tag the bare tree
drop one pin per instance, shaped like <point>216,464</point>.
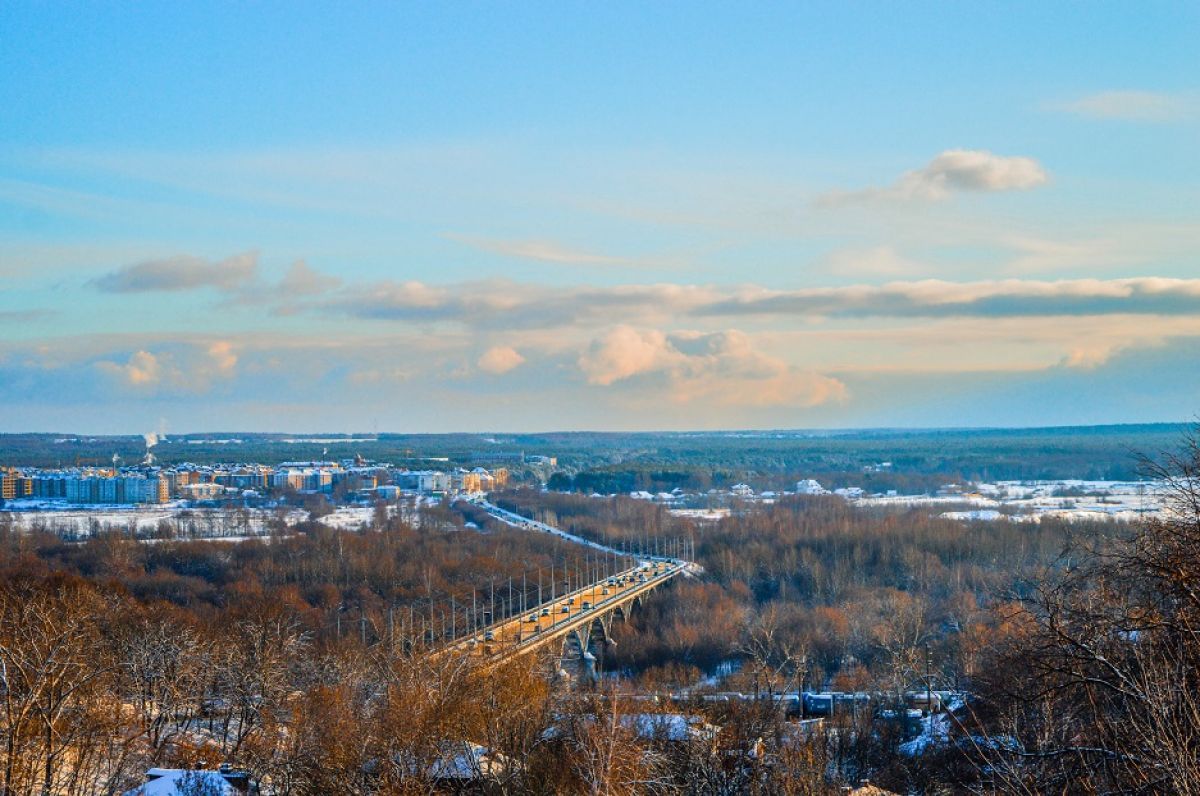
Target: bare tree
<point>1101,690</point>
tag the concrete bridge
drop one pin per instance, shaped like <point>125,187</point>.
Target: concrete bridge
<point>576,624</point>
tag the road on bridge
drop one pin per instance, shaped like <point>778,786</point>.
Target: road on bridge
<point>538,625</point>
<point>541,624</point>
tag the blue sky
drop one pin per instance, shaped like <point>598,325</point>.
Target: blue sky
<point>534,216</point>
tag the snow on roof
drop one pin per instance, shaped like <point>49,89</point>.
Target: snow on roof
<point>180,781</point>
<point>666,726</point>
<point>467,761</point>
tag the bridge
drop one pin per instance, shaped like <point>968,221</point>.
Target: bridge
<point>576,622</point>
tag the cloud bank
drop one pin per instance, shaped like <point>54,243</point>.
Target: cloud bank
<point>501,304</point>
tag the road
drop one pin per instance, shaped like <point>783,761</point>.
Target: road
<point>551,620</point>
<point>539,625</point>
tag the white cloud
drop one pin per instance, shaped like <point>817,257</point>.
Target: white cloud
<point>143,369</point>
<point>932,298</point>
<point>952,171</point>
<point>720,368</point>
<point>221,358</point>
<point>622,353</point>
<point>509,306</point>
<point>500,359</point>
<point>1134,106</point>
<point>190,368</point>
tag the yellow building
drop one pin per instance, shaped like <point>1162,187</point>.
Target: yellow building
<point>8,485</point>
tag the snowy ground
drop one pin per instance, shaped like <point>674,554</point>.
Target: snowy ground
<point>702,515</point>
<point>200,523</point>
<point>935,730</point>
<point>1033,501</point>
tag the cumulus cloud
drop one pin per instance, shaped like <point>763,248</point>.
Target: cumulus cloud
<point>625,352</point>
<point>500,359</point>
<point>952,171</point>
<point>222,358</point>
<point>1134,106</point>
<point>142,369</point>
<point>722,368</point>
<point>181,273</point>
<point>190,368</point>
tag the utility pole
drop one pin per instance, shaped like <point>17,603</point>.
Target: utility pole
<point>929,683</point>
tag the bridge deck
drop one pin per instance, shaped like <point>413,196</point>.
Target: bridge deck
<point>542,624</point>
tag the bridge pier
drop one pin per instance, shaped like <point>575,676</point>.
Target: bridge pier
<point>577,658</point>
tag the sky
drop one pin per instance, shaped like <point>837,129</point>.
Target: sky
<point>531,216</point>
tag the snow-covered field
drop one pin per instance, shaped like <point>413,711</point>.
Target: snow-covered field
<point>702,515</point>
<point>1072,499</point>
<point>1033,501</point>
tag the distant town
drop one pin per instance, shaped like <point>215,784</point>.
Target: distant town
<point>133,489</point>
<point>146,483</point>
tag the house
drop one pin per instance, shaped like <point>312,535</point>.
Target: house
<point>463,762</point>
<point>669,727</point>
<point>225,781</point>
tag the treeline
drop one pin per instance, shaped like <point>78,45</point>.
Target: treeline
<point>366,584</point>
<point>1092,452</point>
<point>822,593</point>
<point>1097,690</point>
<point>1076,644</point>
<point>623,480</point>
<point>98,687</point>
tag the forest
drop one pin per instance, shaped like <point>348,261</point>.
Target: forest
<point>305,657</point>
<point>620,462</point>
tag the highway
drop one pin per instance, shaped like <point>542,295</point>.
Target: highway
<point>572,611</point>
<point>541,624</point>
